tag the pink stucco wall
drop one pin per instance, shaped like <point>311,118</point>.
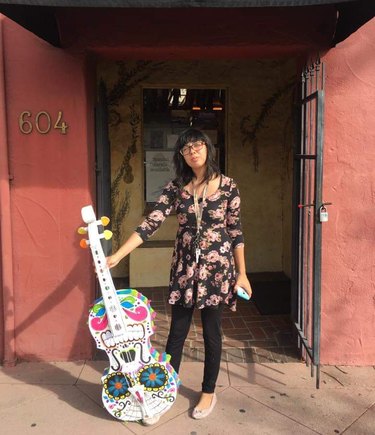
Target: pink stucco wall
<point>51,179</point>
<point>348,289</point>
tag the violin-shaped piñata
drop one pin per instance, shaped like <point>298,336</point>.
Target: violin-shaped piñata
<point>139,382</point>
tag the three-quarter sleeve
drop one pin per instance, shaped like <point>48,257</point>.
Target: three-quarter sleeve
<point>162,209</point>
<point>234,227</point>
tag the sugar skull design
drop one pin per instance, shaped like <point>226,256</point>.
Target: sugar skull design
<point>139,380</point>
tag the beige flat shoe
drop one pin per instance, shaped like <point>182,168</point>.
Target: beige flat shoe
<point>203,413</point>
<point>150,420</point>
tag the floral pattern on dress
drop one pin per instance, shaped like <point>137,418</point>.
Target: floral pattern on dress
<point>212,280</point>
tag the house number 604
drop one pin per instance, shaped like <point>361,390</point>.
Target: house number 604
<point>42,122</point>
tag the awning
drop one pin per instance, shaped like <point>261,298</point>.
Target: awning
<point>172,3</point>
<point>39,16</point>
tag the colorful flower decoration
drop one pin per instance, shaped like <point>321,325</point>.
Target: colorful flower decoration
<point>153,377</point>
<point>116,385</point>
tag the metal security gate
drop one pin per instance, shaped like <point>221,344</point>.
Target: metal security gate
<point>307,217</point>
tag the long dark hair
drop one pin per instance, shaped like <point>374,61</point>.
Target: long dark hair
<point>184,173</point>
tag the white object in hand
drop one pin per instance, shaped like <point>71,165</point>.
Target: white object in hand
<point>242,293</point>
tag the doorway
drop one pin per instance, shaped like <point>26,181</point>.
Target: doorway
<point>258,148</point>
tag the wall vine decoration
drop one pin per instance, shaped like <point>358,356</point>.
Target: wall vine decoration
<point>129,78</point>
<point>121,203</point>
<point>250,131</point>
<point>120,214</point>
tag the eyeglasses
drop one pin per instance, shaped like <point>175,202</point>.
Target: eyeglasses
<point>196,146</point>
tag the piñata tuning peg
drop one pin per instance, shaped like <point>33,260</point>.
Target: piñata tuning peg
<point>82,230</point>
<point>104,220</point>
<point>107,234</point>
<point>84,243</point>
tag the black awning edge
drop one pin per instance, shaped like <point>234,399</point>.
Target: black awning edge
<point>171,3</point>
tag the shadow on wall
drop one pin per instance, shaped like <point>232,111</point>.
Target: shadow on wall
<point>83,376</point>
<point>49,375</point>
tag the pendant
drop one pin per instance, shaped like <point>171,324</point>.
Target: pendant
<point>197,254</point>
<point>197,239</point>
<point>196,246</point>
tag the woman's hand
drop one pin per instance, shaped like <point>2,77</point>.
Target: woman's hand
<point>112,261</point>
<point>242,281</point>
<point>131,243</point>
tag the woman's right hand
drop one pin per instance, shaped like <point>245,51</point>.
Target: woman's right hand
<point>133,242</point>
<point>112,261</point>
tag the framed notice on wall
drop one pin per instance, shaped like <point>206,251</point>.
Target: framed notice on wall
<point>159,171</point>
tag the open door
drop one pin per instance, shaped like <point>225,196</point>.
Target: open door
<point>46,177</point>
<point>307,225</point>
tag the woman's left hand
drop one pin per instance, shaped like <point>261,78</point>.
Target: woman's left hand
<point>242,281</point>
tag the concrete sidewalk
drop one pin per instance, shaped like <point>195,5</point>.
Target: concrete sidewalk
<point>65,398</point>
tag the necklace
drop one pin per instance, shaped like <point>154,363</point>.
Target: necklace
<point>198,209</point>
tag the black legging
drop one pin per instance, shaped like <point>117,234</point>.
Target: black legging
<point>211,322</point>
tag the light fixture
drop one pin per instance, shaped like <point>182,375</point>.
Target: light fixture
<point>216,103</point>
<point>195,106</point>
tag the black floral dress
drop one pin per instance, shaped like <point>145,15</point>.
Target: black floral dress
<point>211,281</point>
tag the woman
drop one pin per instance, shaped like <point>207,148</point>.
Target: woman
<point>208,262</point>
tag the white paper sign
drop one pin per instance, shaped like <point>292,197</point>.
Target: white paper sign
<point>159,171</point>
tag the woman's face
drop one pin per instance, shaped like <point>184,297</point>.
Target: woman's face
<point>195,154</point>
